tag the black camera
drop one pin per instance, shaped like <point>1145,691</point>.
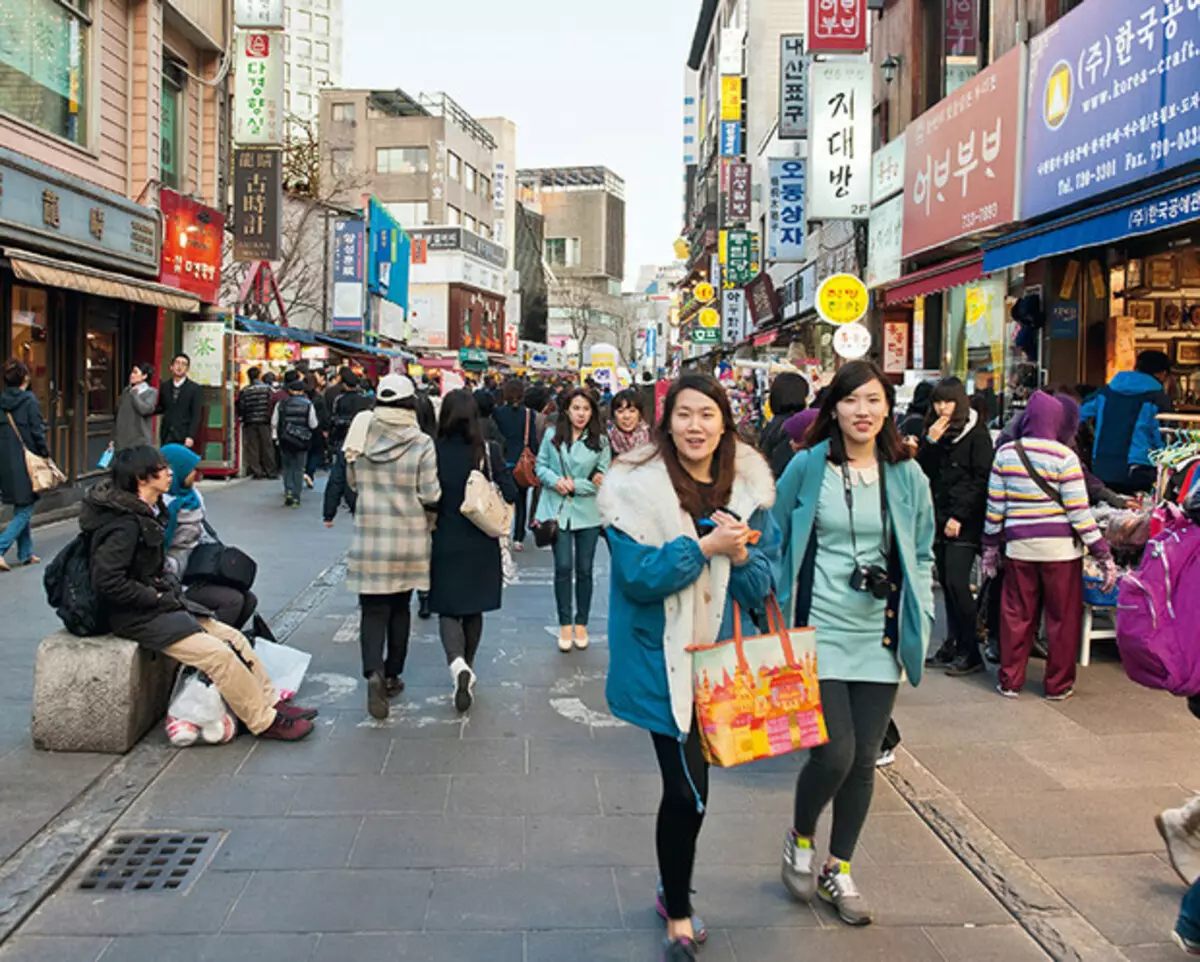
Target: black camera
<point>872,579</point>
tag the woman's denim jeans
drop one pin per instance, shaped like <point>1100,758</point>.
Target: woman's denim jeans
<point>574,551</point>
<point>18,531</point>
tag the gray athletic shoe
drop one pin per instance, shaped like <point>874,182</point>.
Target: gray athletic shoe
<point>836,887</point>
<point>798,871</point>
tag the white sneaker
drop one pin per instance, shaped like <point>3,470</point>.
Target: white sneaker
<point>886,757</point>
<point>797,870</point>
<point>1180,829</point>
<point>464,684</point>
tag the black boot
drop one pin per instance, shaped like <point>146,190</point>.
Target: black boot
<point>423,611</point>
<point>991,653</point>
<point>944,655</point>
<point>965,665</point>
<point>377,699</point>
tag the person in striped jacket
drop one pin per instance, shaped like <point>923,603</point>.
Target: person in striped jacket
<point>1038,511</point>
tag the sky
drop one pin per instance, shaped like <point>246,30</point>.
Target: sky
<point>596,83</point>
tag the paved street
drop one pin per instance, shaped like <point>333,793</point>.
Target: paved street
<point>524,831</point>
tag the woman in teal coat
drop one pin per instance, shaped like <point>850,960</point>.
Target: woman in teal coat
<point>858,528</point>
<point>681,519</point>
<point>571,464</point>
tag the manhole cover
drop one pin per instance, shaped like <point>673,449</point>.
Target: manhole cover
<point>150,861</point>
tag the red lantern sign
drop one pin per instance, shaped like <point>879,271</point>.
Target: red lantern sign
<point>191,246</point>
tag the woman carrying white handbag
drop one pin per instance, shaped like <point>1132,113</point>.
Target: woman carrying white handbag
<point>477,496</point>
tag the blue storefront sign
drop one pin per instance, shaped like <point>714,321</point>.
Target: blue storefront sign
<point>348,294</point>
<point>786,229</point>
<point>1112,99</point>
<point>391,251</point>
<point>1064,321</point>
<point>731,138</point>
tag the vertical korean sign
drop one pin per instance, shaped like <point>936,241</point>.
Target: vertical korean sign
<point>258,93</point>
<point>786,227</point>
<point>837,26</point>
<point>731,98</point>
<point>961,159</point>
<point>793,87</point>
<point>738,209</point>
<point>839,144</point>
<point>739,258</point>
<point>348,260</point>
<point>263,14</point>
<point>257,203</point>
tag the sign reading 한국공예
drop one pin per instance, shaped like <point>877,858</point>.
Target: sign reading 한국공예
<point>257,205</point>
<point>961,159</point>
<point>258,90</point>
<point>1113,99</point>
<point>837,26</point>
<point>793,87</point>
<point>786,228</point>
<point>839,168</point>
<point>349,242</point>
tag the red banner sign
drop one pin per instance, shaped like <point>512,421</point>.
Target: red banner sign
<point>191,246</point>
<point>837,26</point>
<point>961,159</point>
<point>960,27</point>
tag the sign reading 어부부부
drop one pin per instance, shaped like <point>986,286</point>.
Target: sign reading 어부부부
<point>257,205</point>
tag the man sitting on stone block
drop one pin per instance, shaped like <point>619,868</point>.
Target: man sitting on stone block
<point>124,518</point>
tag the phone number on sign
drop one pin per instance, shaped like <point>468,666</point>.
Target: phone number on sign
<point>981,217</point>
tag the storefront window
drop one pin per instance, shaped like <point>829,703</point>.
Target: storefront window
<point>976,345</point>
<point>169,126</point>
<point>43,64</point>
<point>101,378</point>
<point>31,340</point>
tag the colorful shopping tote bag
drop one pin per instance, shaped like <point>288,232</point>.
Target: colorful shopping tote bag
<point>758,697</point>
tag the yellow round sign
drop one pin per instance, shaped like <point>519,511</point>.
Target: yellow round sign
<point>710,317</point>
<point>842,299</point>
<point>682,249</point>
<point>704,292</point>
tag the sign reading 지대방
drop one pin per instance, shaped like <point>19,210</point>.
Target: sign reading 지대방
<point>793,87</point>
<point>257,204</point>
<point>786,229</point>
<point>258,90</point>
<point>842,299</point>
<point>839,169</point>
<point>837,26</point>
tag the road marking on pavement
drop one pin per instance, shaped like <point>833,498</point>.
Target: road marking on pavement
<point>348,633</point>
<point>572,708</point>
<point>405,714</point>
<point>552,631</point>
<point>335,688</point>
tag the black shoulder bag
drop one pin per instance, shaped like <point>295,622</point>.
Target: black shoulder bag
<point>219,564</point>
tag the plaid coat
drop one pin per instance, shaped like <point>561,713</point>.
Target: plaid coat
<point>396,479</point>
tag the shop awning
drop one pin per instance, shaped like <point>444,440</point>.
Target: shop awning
<point>38,269</point>
<point>349,347</point>
<point>275,332</point>
<point>937,277</point>
<point>1160,208</point>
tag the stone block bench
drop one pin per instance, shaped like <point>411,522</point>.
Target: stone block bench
<point>98,694</point>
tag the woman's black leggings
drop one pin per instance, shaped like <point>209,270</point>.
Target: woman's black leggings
<point>843,769</point>
<point>680,814</point>
<point>231,606</point>
<point>385,626</point>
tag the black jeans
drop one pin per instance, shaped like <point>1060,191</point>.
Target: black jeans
<point>231,606</point>
<point>843,769</point>
<point>519,514</point>
<point>680,815</point>
<point>954,561</point>
<point>386,622</point>
<point>337,488</point>
<point>460,637</point>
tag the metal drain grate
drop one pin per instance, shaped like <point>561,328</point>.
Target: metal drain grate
<point>150,861</point>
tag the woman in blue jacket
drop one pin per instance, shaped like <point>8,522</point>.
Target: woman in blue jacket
<point>680,522</point>
<point>858,528</point>
<point>571,464</point>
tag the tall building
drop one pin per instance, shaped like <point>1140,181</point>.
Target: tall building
<point>314,54</point>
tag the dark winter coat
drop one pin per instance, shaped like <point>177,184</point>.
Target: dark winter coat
<point>135,414</point>
<point>958,469</point>
<point>15,487</point>
<point>346,406</point>
<point>180,415</point>
<point>127,551</point>
<point>518,427</point>
<point>465,576</point>
<point>323,421</point>
<point>254,403</point>
<point>776,445</point>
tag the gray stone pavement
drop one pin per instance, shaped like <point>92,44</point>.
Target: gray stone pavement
<point>523,832</point>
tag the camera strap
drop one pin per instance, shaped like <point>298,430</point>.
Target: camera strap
<point>848,488</point>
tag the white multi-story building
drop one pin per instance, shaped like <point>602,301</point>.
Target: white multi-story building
<point>314,54</point>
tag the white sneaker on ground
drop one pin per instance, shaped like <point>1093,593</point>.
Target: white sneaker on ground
<point>886,757</point>
<point>1180,829</point>
<point>464,684</point>
<point>797,872</point>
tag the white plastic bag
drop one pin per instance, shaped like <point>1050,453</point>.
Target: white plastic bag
<point>284,665</point>
<point>198,711</point>
<point>508,564</point>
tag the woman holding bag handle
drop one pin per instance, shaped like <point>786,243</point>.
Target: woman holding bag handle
<point>858,528</point>
<point>690,532</point>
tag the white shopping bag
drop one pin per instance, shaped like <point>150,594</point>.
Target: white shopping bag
<point>198,711</point>
<point>285,666</point>
<point>508,564</point>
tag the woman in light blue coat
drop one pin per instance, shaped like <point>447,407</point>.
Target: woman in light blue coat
<point>571,464</point>
<point>858,527</point>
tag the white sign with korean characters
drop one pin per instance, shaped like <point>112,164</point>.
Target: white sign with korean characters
<point>839,142</point>
<point>793,87</point>
<point>258,89</point>
<point>733,316</point>
<point>886,234</point>
<point>261,14</point>
<point>887,170</point>
<point>204,343</point>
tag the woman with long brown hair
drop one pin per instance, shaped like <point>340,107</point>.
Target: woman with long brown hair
<point>690,532</point>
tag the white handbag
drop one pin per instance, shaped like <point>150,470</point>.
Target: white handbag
<point>483,504</point>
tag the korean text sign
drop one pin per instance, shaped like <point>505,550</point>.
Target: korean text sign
<point>258,89</point>
<point>837,26</point>
<point>259,13</point>
<point>793,87</point>
<point>883,242</point>
<point>786,227</point>
<point>348,259</point>
<point>191,247</point>
<point>887,170</point>
<point>731,98</point>
<point>739,192</point>
<point>961,159</point>
<point>257,205</point>
<point>740,257</point>
<point>839,140</point>
<point>1113,99</point>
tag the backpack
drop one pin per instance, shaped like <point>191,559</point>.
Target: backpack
<point>294,432</point>
<point>68,584</point>
<point>1158,608</point>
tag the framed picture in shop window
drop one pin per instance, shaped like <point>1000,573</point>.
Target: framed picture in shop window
<point>1163,274</point>
<point>1191,317</point>
<point>1189,268</point>
<point>1187,353</point>
<point>1133,274</point>
<point>1171,316</point>
<point>1144,312</point>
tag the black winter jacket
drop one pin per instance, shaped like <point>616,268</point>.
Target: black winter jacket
<point>958,470</point>
<point>15,487</point>
<point>776,445</point>
<point>139,600</point>
<point>182,414</point>
<point>254,403</point>
<point>346,406</point>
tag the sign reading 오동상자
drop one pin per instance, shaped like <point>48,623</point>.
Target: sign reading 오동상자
<point>257,204</point>
<point>839,166</point>
<point>837,26</point>
<point>793,87</point>
<point>1113,99</point>
<point>786,228</point>
<point>961,159</point>
<point>258,89</point>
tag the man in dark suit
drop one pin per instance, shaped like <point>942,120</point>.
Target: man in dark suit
<point>181,404</point>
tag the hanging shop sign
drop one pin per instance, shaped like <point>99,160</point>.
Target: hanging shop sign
<point>793,87</point>
<point>349,240</point>
<point>786,228</point>
<point>731,138</point>
<point>191,248</point>
<point>1112,100</point>
<point>390,254</point>
<point>258,89</point>
<point>763,300</point>
<point>837,26</point>
<point>960,27</point>
<point>961,159</point>
<point>204,343</point>
<point>851,341</point>
<point>895,347</point>
<point>261,14</point>
<point>839,146</point>
<point>731,98</point>
<point>706,335</point>
<point>733,316</point>
<point>433,239</point>
<point>709,317</point>
<point>738,203</point>
<point>842,299</point>
<point>884,240</point>
<point>739,267</point>
<point>732,40</point>
<point>704,292</point>
<point>887,170</point>
<point>257,205</point>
